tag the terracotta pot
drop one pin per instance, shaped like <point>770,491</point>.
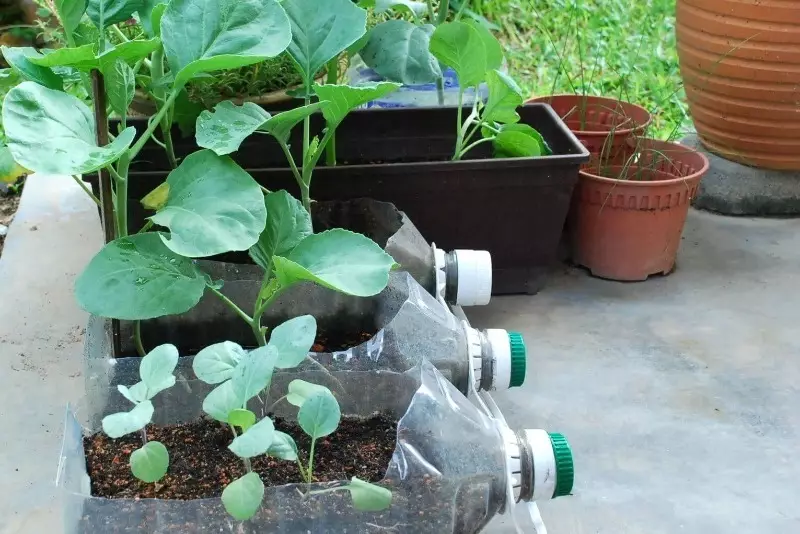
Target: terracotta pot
<point>603,125</point>
<point>740,62</point>
<point>629,229</point>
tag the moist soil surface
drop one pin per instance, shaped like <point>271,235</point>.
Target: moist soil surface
<point>201,464</point>
<point>8,207</point>
<point>336,341</point>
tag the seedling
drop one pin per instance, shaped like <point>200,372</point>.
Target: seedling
<point>150,462</point>
<point>241,376</point>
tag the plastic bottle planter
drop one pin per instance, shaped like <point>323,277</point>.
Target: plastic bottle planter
<point>452,470</point>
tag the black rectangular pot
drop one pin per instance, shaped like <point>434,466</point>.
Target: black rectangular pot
<point>514,208</point>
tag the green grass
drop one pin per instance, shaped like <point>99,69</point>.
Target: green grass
<point>618,48</point>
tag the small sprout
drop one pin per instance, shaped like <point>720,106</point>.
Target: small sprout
<point>283,447</point>
<point>319,416</point>
<point>300,391</point>
<point>255,441</point>
<point>150,463</point>
<point>244,419</point>
<point>243,496</point>
<point>120,424</point>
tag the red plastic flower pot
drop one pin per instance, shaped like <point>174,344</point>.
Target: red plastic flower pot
<point>628,229</point>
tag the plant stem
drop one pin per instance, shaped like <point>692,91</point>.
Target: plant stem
<point>303,472</point>
<point>311,461</point>
<point>119,33</point>
<point>232,305</point>
<point>459,125</point>
<point>473,145</point>
<point>113,172</point>
<point>134,151</point>
<point>146,227</point>
<point>137,338</point>
<point>333,77</point>
<point>86,190</point>
<point>246,461</point>
<point>306,196</point>
<point>431,12</point>
<point>444,9</point>
<point>272,406</point>
<point>255,323</point>
<point>297,176</point>
<point>156,74</point>
<point>122,195</point>
<point>440,89</point>
<point>144,436</point>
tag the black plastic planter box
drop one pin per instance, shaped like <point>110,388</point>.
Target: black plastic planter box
<point>515,208</point>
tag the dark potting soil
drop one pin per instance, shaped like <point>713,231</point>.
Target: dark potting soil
<point>201,464</point>
<point>336,341</point>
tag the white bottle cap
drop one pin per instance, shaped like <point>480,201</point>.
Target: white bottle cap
<point>501,357</point>
<point>474,277</point>
<point>549,471</point>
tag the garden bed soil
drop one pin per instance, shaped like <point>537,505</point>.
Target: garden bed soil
<point>8,207</point>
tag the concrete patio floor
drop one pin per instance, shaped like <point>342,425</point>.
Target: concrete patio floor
<point>680,395</point>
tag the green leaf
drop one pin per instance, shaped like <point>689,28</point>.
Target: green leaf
<point>460,46</point>
<point>337,259</point>
<point>255,441</point>
<point>53,133</point>
<point>86,57</point>
<point>104,13</point>
<point>494,50</point>
<point>409,6</point>
<point>283,447</point>
<point>242,497</point>
<point>10,170</point>
<point>136,393</point>
<point>254,373</point>
<point>222,401</point>
<point>120,83</point>
<point>288,224</point>
<point>321,31</point>
<point>17,57</point>
<point>242,418</point>
<point>138,277</point>
<point>150,16</point>
<point>215,363</point>
<point>150,463</point>
<point>70,13</point>
<point>213,206</point>
<point>292,340</point>
<point>505,96</point>
<point>369,497</point>
<point>185,113</point>
<point>517,144</point>
<point>280,125</point>
<point>156,369</point>
<point>300,391</point>
<point>119,424</point>
<point>224,129</point>
<point>209,35</point>
<point>343,98</point>
<point>157,198</point>
<point>399,51</point>
<point>319,415</point>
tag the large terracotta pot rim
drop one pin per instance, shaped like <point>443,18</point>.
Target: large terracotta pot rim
<point>613,104</point>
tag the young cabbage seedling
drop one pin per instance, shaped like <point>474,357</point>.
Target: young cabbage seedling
<point>242,376</point>
<point>150,462</point>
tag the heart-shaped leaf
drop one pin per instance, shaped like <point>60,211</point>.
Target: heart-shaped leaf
<point>242,418</point>
<point>368,497</point>
<point>120,83</point>
<point>400,52</point>
<point>337,259</point>
<point>300,391</point>
<point>254,372</point>
<point>518,141</point>
<point>224,129</point>
<point>319,415</point>
<point>156,368</point>
<point>292,340</point>
<point>255,441</point>
<point>505,96</point>
<point>283,447</point>
<point>150,463</point>
<point>222,400</point>
<point>136,393</point>
<point>321,31</point>
<point>493,48</point>
<point>119,424</point>
<point>53,133</point>
<point>104,13</point>
<point>17,57</point>
<point>209,35</point>
<point>213,206</point>
<point>138,277</point>
<point>461,47</point>
<point>215,364</point>
<point>288,224</point>
<point>280,125</point>
<point>242,497</point>
<point>342,98</point>
<point>70,13</point>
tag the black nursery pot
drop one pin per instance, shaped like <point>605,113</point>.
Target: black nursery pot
<point>514,208</point>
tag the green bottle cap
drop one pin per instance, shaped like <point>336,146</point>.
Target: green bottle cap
<point>565,467</point>
<point>519,359</point>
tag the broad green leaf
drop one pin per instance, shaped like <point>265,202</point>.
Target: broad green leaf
<point>517,144</point>
<point>288,223</point>
<point>150,16</point>
<point>53,133</point>
<point>70,13</point>
<point>319,415</point>
<point>254,373</point>
<point>119,424</point>
<point>156,368</point>
<point>10,170</point>
<point>321,31</point>
<point>157,198</point>
<point>215,364</point>
<point>87,57</point>
<point>460,46</point>
<point>342,99</point>
<point>104,13</point>
<point>494,50</point>
<point>369,497</point>
<point>280,125</point>
<point>255,441</point>
<point>18,57</point>
<point>293,339</point>
<point>136,393</point>
<point>222,401</point>
<point>8,79</point>
<point>242,418</point>
<point>150,463</point>
<point>505,96</point>
<point>84,56</point>
<point>242,497</point>
<point>209,35</point>
<point>86,33</point>
<point>224,129</point>
<point>399,51</point>
<point>300,391</point>
<point>213,206</point>
<point>138,277</point>
<point>337,259</point>
<point>120,83</point>
<point>283,447</point>
<point>415,8</point>
<point>529,131</point>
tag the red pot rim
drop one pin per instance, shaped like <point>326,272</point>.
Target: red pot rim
<point>597,99</point>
